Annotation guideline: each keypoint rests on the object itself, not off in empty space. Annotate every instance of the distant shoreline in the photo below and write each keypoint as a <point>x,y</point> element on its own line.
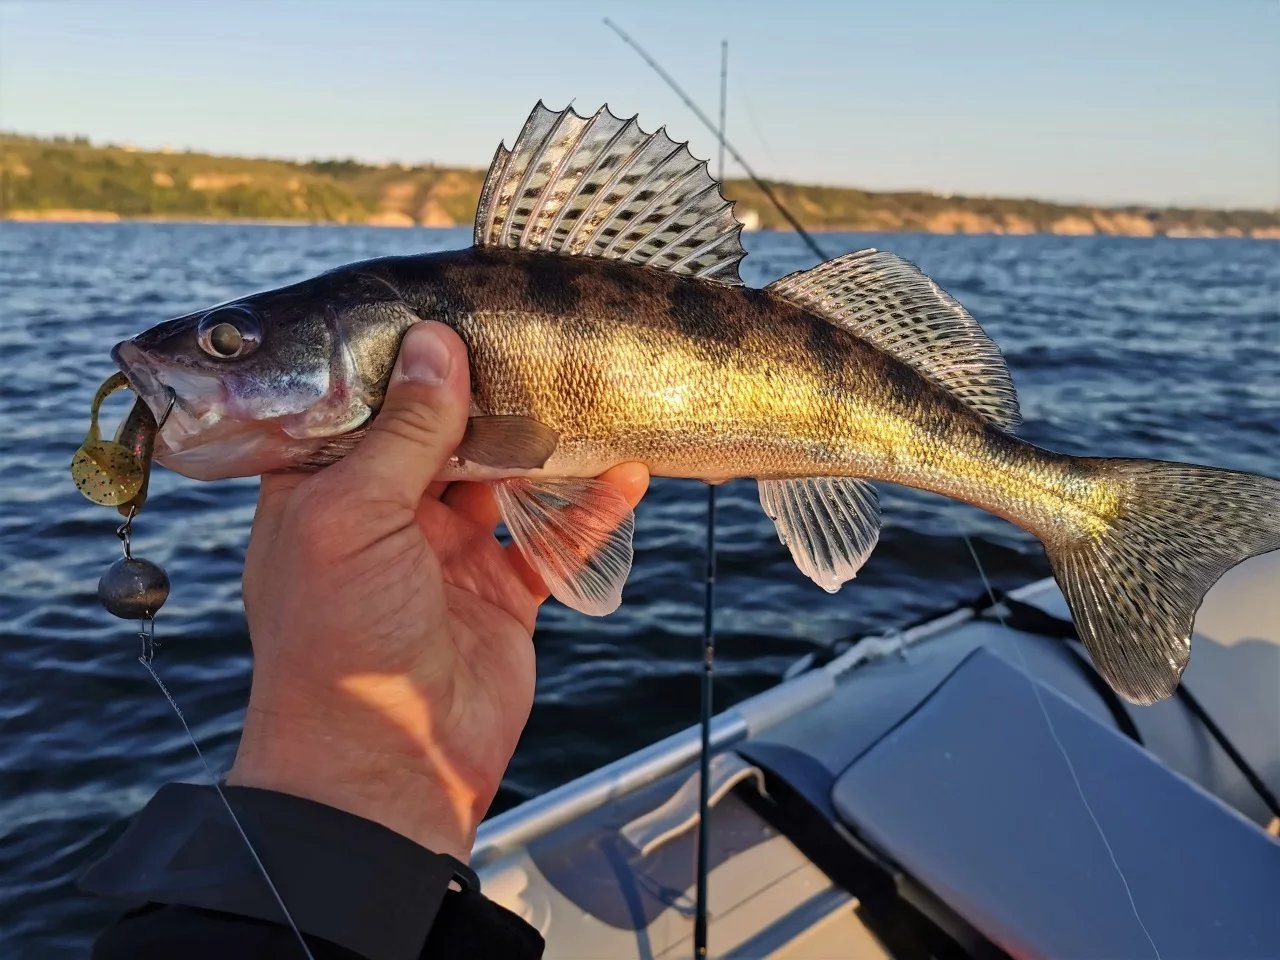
<point>76,181</point>
<point>1073,229</point>
<point>108,216</point>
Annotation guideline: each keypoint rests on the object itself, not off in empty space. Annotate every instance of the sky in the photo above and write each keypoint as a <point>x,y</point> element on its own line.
<point>1102,101</point>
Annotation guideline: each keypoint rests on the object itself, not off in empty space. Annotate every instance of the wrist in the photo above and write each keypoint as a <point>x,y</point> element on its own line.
<point>331,763</point>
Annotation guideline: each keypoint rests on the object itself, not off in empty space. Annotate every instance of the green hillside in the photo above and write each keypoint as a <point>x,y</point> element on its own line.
<point>72,179</point>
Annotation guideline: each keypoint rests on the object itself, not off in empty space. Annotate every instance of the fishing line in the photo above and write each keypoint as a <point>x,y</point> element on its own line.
<point>136,588</point>
<point>704,758</point>
<point>148,637</point>
<point>755,128</point>
<point>706,122</point>
<point>148,655</point>
<point>1053,732</point>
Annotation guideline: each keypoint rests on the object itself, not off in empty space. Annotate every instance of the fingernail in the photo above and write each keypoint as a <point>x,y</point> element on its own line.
<point>424,356</point>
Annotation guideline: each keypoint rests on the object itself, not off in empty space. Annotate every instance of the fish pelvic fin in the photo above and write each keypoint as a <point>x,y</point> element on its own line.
<point>890,303</point>
<point>830,524</point>
<point>599,186</point>
<point>576,534</point>
<point>1134,589</point>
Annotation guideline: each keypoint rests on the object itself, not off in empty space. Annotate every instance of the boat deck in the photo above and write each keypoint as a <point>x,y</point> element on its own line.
<point>909,798</point>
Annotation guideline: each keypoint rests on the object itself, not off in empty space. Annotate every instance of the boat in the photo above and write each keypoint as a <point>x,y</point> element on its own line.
<point>966,787</point>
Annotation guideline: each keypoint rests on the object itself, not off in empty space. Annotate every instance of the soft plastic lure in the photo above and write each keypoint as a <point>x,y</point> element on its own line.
<point>114,473</point>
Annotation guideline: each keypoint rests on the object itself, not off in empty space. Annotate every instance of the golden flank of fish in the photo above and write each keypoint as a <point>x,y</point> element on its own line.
<point>606,322</point>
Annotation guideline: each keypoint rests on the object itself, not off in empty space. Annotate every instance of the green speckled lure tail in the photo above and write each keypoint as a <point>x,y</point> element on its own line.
<point>114,473</point>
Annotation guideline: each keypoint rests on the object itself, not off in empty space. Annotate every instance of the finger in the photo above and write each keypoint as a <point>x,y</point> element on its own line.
<point>476,502</point>
<point>630,479</point>
<point>528,576</point>
<point>274,489</point>
<point>273,494</point>
<point>421,420</point>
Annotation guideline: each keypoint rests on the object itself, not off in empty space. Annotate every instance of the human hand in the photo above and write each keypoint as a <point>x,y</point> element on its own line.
<point>392,633</point>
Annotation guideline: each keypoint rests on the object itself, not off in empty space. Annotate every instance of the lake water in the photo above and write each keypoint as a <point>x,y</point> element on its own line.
<point>1134,347</point>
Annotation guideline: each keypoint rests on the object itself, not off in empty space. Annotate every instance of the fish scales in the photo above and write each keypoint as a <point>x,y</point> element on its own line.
<point>711,382</point>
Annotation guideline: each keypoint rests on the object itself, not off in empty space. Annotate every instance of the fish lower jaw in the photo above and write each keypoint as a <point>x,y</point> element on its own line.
<point>245,453</point>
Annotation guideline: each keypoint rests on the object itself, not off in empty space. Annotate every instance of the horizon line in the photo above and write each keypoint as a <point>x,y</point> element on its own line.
<point>300,160</point>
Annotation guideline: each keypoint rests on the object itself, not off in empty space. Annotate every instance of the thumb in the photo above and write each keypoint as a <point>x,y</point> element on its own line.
<point>421,420</point>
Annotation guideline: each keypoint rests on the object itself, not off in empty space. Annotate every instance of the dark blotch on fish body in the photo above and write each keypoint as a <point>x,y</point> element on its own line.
<point>550,287</point>
<point>626,282</point>
<point>447,289</point>
<point>825,344</point>
<point>697,313</point>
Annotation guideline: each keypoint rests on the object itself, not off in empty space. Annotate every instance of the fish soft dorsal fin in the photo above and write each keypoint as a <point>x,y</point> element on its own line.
<point>600,186</point>
<point>830,524</point>
<point>889,302</point>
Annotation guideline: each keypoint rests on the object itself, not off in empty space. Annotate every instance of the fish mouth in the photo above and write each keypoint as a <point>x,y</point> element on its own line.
<point>200,435</point>
<point>168,391</point>
<point>144,379</point>
<point>140,373</point>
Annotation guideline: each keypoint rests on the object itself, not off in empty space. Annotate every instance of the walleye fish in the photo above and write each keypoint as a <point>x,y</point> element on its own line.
<point>606,322</point>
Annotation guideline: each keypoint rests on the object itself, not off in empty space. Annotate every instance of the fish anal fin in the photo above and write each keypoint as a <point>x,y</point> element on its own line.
<point>576,534</point>
<point>599,186</point>
<point>508,442</point>
<point>890,303</point>
<point>830,524</point>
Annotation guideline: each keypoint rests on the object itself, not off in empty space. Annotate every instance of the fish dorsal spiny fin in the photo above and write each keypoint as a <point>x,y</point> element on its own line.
<point>599,186</point>
<point>889,302</point>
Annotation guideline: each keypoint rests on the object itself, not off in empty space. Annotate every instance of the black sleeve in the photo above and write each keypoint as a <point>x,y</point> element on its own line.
<point>469,925</point>
<point>356,890</point>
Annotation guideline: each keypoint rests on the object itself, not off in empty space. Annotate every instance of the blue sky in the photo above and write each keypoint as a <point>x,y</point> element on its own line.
<point>1159,101</point>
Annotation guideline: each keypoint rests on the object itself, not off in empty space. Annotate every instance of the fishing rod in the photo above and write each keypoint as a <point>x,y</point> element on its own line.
<point>761,185</point>
<point>708,641</point>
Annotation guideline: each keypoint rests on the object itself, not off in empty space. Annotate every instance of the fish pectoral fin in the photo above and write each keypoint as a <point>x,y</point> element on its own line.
<point>830,524</point>
<point>508,441</point>
<point>599,186</point>
<point>890,303</point>
<point>576,534</point>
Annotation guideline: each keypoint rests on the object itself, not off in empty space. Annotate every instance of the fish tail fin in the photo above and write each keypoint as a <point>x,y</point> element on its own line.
<point>1134,588</point>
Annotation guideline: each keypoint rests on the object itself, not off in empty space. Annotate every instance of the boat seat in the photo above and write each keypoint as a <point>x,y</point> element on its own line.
<point>1233,671</point>
<point>971,795</point>
<point>809,751</point>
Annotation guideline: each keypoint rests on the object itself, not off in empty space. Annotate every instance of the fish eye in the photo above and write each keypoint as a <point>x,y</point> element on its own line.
<point>229,332</point>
